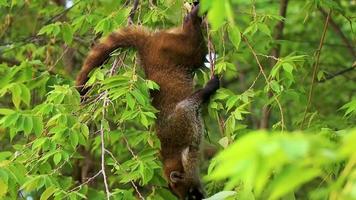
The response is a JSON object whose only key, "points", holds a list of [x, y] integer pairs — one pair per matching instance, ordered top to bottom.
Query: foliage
{"points": [[51, 145]]}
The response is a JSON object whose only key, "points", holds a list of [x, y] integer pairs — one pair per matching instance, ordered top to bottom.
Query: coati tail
{"points": [[133, 36]]}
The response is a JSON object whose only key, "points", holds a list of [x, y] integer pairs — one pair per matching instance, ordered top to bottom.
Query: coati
{"points": [[169, 57]]}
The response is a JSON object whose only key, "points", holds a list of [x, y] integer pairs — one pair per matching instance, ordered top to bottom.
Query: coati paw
{"points": [[214, 83]]}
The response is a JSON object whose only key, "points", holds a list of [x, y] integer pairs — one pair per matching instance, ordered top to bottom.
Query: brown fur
{"points": [[169, 58]]}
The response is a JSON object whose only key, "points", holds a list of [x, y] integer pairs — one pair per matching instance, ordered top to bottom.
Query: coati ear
{"points": [[176, 176]]}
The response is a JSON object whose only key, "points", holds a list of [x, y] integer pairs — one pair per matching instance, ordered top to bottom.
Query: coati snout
{"points": [[184, 188]]}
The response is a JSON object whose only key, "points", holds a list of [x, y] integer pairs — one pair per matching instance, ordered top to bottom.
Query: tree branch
{"points": [[133, 12], [60, 14], [338, 31], [211, 51], [10, 62], [316, 67], [338, 73], [266, 79], [106, 102], [266, 111], [84, 183], [132, 183], [107, 191]]}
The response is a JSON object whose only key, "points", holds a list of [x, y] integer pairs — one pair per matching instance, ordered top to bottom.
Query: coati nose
{"points": [[194, 194]]}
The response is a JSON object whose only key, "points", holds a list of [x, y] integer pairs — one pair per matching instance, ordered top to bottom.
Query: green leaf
{"points": [[4, 3], [205, 5], [216, 14], [105, 25], [252, 28], [50, 29], [264, 29], [67, 33], [234, 36], [288, 67], [275, 70], [321, 75], [152, 85], [275, 86], [25, 94], [16, 95], [139, 97], [130, 101], [231, 102], [349, 107], [6, 111], [11, 119], [144, 120], [28, 124], [37, 125], [230, 125], [85, 131], [74, 139], [224, 142], [37, 144], [4, 155], [57, 158], [291, 178], [31, 184], [3, 188], [48, 192], [222, 195]]}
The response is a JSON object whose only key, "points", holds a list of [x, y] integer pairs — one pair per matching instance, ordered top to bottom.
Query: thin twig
{"points": [[133, 12], [60, 14], [338, 31], [211, 51], [275, 54], [268, 56], [60, 57], [316, 67], [331, 76], [266, 79], [254, 82], [105, 104], [129, 148], [343, 176], [84, 183], [132, 183]]}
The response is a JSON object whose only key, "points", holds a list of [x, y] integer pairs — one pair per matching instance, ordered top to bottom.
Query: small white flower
{"points": [[69, 3], [214, 56]]}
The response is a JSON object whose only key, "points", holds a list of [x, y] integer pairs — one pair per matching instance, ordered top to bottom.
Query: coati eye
{"points": [[176, 176]]}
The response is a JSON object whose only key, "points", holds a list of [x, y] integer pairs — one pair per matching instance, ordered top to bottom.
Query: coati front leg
{"points": [[182, 169]]}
